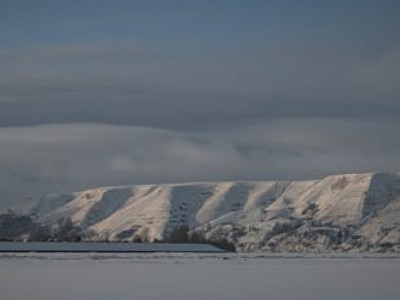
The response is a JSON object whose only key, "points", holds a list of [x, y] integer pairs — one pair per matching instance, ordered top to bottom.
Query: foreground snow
{"points": [[197, 277]]}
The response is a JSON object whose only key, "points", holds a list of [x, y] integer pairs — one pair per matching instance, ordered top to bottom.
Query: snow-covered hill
{"points": [[352, 212]]}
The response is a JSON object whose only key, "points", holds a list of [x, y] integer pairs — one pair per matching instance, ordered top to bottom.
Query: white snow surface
{"points": [[368, 202], [177, 276]]}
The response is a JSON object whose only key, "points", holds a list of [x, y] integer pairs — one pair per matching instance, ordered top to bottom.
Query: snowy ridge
{"points": [[340, 212]]}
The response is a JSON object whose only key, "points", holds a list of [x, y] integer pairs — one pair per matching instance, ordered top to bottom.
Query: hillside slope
{"points": [[352, 212]]}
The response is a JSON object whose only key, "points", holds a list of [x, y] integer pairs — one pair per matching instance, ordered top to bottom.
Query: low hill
{"points": [[351, 212]]}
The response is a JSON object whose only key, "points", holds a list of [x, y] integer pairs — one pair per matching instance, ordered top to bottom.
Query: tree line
{"points": [[17, 227]]}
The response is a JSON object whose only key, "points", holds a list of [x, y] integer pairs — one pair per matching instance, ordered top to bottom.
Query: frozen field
{"points": [[197, 276]]}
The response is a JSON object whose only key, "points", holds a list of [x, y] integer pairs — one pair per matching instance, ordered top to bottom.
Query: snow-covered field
{"points": [[198, 276]]}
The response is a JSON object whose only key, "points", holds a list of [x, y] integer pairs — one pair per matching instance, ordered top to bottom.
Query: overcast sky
{"points": [[124, 92]]}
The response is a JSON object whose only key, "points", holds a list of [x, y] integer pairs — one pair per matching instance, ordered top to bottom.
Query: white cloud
{"points": [[64, 158]]}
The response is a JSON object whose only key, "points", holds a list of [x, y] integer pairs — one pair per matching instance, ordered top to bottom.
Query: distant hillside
{"points": [[352, 212]]}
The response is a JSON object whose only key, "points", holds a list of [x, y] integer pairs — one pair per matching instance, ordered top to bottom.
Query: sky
{"points": [[129, 92]]}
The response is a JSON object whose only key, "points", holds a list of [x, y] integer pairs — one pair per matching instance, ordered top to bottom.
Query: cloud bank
{"points": [[64, 158]]}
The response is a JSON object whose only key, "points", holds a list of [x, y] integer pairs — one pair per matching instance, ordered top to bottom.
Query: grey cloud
{"points": [[178, 89], [62, 158]]}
